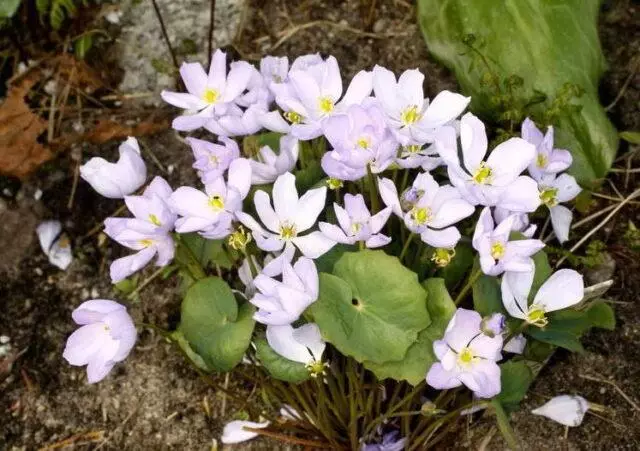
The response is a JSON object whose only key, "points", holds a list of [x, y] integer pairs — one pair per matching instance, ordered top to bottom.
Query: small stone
{"points": [[379, 26]]}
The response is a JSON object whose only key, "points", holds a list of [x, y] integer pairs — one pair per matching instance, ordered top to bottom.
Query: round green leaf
{"points": [[372, 308], [278, 366], [515, 378]]}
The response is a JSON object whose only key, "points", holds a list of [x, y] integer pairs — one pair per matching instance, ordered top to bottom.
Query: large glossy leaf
{"points": [[547, 44], [372, 308], [214, 326], [420, 356], [278, 366]]}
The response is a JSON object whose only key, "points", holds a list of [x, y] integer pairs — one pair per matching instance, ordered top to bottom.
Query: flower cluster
{"points": [[362, 139]]}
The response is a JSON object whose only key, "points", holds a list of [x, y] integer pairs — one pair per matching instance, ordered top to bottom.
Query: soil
{"points": [[154, 400]]}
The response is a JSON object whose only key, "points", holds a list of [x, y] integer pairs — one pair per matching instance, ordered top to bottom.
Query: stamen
{"points": [[210, 96], [326, 105], [410, 115], [293, 117], [364, 143], [542, 161], [483, 174], [549, 197], [216, 203], [421, 215], [153, 219], [288, 231], [146, 242], [497, 250], [442, 256], [537, 316], [466, 357]]}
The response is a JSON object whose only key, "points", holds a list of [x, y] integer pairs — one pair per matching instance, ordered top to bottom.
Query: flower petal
{"points": [[563, 289]]}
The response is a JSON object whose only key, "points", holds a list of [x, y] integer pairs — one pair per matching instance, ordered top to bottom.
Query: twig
{"points": [[212, 16], [164, 34], [624, 86], [153, 156], [628, 171], [74, 186], [631, 196], [99, 225], [146, 282], [614, 385], [223, 404], [287, 439]]}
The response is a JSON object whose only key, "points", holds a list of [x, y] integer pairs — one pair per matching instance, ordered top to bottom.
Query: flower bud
{"points": [[493, 325]]}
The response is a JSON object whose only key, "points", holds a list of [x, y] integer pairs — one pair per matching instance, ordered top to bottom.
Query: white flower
{"points": [[409, 114], [547, 160], [270, 165], [116, 180], [496, 181], [554, 190], [288, 218], [520, 223], [55, 244], [497, 253], [563, 289], [303, 344], [516, 345], [565, 409], [234, 431]]}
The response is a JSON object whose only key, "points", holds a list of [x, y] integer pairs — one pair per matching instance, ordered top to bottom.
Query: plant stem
{"points": [[212, 16], [165, 35], [373, 191], [406, 246], [472, 279]]}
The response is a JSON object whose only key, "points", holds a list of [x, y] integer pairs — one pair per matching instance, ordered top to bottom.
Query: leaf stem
{"points": [[373, 191], [406, 246], [472, 279]]}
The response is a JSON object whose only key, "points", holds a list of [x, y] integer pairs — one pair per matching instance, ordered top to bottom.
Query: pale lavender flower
{"points": [[263, 85], [316, 93], [209, 96], [409, 114], [240, 123], [359, 138], [415, 155], [547, 159], [213, 160], [270, 166], [116, 180], [495, 181], [553, 190], [428, 209], [211, 212], [288, 218], [520, 223], [357, 224], [148, 232], [55, 244], [497, 253], [563, 289], [281, 302], [493, 325], [106, 337], [302, 344], [516, 345], [467, 356], [568, 410], [235, 432], [391, 441]]}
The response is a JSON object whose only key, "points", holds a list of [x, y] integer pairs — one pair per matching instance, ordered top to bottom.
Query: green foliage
{"points": [[8, 8], [57, 11], [82, 45], [529, 57], [630, 137], [632, 236], [594, 254], [460, 264], [372, 308], [213, 324], [179, 339], [420, 356], [278, 366], [515, 378]]}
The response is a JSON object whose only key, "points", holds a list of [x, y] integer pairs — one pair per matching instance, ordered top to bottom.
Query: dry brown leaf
{"points": [[106, 130], [20, 151]]}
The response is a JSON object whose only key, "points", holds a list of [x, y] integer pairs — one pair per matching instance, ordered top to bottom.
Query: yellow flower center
{"points": [[210, 96], [326, 105], [410, 115], [293, 117], [364, 143], [412, 148], [214, 160], [541, 161], [483, 174], [334, 183], [548, 196], [216, 203], [421, 215], [153, 219], [356, 227], [288, 231], [239, 239], [146, 242], [497, 251], [442, 256], [537, 316], [466, 357], [317, 368]]}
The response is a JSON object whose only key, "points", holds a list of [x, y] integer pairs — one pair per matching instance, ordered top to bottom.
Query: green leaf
{"points": [[8, 8], [546, 43], [82, 45], [631, 137], [327, 261], [453, 273], [487, 297], [372, 308], [599, 314], [213, 324], [178, 337], [561, 338], [420, 356], [278, 366], [515, 378], [505, 427]]}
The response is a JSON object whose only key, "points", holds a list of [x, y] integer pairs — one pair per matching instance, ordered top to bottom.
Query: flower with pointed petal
{"points": [[210, 95], [411, 117], [359, 138], [415, 155], [212, 160], [547, 160], [269, 165], [116, 180], [495, 181], [553, 190], [428, 209], [211, 212], [288, 218], [520, 223], [357, 224], [55, 244], [497, 253], [563, 289], [281, 302], [106, 337], [302, 344], [467, 356], [568, 410], [235, 432], [391, 441]]}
